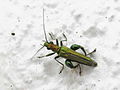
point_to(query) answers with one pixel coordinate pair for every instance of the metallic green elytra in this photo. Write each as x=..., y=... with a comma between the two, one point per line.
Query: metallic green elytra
x=74, y=56
x=69, y=54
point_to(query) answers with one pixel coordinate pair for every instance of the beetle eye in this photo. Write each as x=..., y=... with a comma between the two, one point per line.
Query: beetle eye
x=48, y=48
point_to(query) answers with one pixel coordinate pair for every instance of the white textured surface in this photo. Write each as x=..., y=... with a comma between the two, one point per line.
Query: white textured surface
x=90, y=23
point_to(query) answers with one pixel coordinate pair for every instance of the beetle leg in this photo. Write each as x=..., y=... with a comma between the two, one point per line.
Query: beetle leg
x=75, y=47
x=54, y=39
x=59, y=63
x=51, y=35
x=64, y=37
x=61, y=42
x=70, y=65
x=46, y=55
x=92, y=52
x=57, y=42
x=80, y=69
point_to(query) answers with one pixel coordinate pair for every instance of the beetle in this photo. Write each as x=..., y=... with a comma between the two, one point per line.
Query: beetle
x=69, y=54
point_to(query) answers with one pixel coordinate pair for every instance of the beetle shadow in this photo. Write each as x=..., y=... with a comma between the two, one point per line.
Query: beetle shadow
x=85, y=70
x=51, y=68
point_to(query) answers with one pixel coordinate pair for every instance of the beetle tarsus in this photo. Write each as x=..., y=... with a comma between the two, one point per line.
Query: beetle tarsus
x=92, y=52
x=80, y=70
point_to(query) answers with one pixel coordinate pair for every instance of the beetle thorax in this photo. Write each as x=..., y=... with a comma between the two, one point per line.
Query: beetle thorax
x=51, y=46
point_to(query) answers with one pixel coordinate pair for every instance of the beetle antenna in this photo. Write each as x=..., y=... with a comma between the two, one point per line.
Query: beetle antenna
x=44, y=27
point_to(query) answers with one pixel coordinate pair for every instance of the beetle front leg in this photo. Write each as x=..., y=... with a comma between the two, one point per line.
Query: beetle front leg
x=60, y=64
x=51, y=35
x=61, y=42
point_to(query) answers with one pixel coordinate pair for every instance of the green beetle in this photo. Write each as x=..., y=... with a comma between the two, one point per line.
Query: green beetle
x=69, y=54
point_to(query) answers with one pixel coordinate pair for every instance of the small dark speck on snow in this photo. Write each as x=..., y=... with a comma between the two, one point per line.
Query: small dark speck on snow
x=13, y=34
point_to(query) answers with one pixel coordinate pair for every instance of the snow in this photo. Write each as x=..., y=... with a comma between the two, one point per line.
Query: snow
x=90, y=23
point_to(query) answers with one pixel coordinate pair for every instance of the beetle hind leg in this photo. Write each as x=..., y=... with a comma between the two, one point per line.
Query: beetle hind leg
x=70, y=65
x=76, y=47
x=92, y=52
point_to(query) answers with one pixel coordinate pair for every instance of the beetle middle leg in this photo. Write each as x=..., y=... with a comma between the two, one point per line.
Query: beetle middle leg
x=59, y=63
x=64, y=37
x=46, y=55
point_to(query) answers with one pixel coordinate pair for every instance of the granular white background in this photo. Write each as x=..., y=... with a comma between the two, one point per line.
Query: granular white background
x=90, y=23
